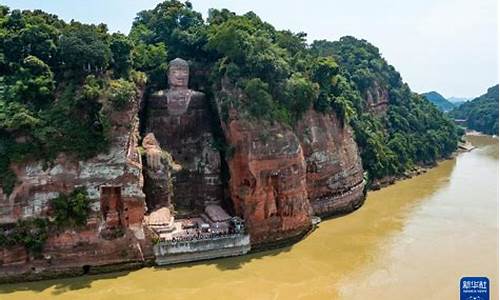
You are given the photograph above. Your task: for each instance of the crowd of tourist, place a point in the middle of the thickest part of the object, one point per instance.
(198, 235)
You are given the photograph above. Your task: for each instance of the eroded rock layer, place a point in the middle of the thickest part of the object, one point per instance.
(268, 180)
(113, 182)
(334, 171)
(377, 99)
(281, 176)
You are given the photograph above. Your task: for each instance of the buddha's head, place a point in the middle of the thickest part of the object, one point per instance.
(178, 73)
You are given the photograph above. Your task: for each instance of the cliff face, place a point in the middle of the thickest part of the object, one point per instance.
(377, 99)
(113, 182)
(268, 180)
(334, 171)
(281, 176)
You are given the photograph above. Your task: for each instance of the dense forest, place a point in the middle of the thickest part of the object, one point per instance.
(59, 80)
(439, 101)
(481, 113)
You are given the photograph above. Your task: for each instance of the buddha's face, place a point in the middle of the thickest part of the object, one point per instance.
(178, 77)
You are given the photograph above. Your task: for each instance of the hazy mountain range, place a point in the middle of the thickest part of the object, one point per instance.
(459, 100)
(442, 103)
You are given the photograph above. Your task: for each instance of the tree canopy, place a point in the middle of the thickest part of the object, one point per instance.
(412, 131)
(54, 77)
(481, 113)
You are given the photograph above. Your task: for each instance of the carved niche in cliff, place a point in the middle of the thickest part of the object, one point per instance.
(180, 119)
(111, 205)
(158, 170)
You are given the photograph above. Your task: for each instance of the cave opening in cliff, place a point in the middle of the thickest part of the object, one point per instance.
(86, 269)
(111, 204)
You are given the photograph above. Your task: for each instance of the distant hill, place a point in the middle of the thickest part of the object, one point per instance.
(481, 113)
(457, 101)
(439, 101)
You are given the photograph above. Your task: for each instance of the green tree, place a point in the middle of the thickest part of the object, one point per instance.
(172, 23)
(121, 49)
(260, 101)
(121, 92)
(71, 209)
(299, 94)
(83, 48)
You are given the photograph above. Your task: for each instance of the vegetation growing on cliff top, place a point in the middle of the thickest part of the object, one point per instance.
(54, 75)
(53, 78)
(481, 113)
(412, 131)
(281, 77)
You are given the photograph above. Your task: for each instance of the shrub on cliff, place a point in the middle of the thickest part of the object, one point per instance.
(260, 101)
(31, 233)
(121, 92)
(70, 209)
(299, 94)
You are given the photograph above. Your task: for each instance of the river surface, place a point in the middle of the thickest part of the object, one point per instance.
(412, 240)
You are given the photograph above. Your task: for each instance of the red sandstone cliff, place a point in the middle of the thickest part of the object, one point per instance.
(334, 171)
(113, 181)
(377, 99)
(268, 180)
(280, 176)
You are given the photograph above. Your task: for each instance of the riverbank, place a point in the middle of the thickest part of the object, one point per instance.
(422, 169)
(35, 274)
(386, 249)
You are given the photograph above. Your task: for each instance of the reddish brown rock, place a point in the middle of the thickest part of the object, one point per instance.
(13, 256)
(280, 176)
(113, 181)
(334, 171)
(268, 180)
(377, 99)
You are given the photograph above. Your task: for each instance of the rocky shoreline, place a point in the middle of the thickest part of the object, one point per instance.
(32, 274)
(422, 169)
(293, 238)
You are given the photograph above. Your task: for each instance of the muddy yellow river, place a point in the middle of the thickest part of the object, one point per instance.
(412, 240)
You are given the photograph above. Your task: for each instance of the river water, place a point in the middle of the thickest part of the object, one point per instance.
(412, 240)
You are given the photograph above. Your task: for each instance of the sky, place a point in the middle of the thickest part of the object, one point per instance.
(450, 46)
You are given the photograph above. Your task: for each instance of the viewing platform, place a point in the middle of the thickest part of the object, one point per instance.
(214, 234)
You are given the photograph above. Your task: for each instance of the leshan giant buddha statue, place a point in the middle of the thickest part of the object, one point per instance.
(180, 119)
